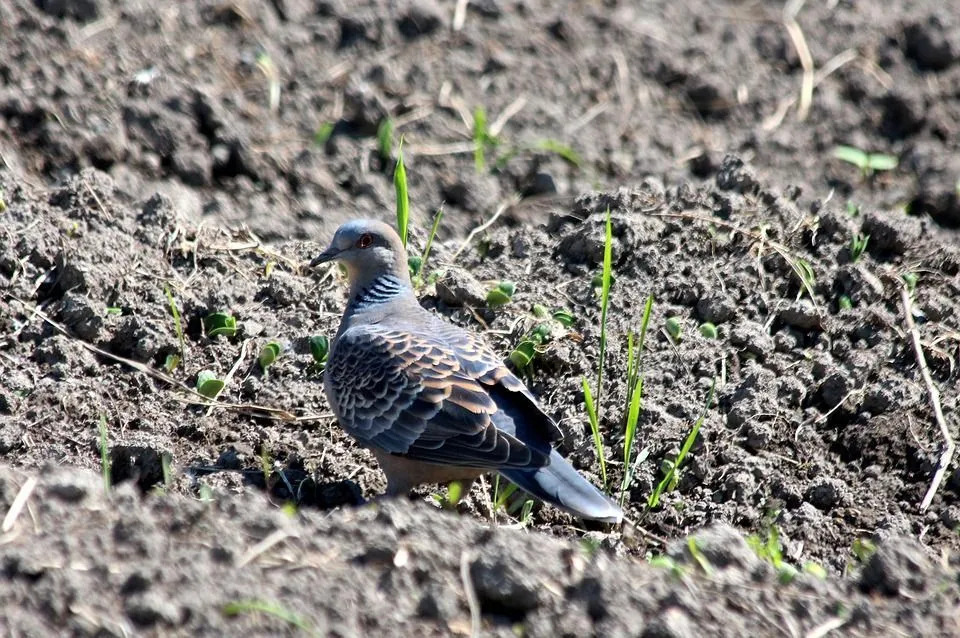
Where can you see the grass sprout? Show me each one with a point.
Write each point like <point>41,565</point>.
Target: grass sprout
<point>252,606</point>
<point>269,70</point>
<point>674,328</point>
<point>634,396</point>
<point>605,297</point>
<point>559,148</point>
<point>385,139</point>
<point>482,139</point>
<point>177,326</point>
<point>323,133</point>
<point>804,272</point>
<point>104,453</point>
<point>868,163</point>
<point>844,302</point>
<point>858,245</point>
<point>595,430</point>
<point>670,479</point>
<point>403,198</point>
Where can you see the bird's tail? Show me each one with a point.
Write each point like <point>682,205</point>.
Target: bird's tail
<point>562,486</point>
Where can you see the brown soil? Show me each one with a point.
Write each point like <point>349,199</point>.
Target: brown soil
<point>139,153</point>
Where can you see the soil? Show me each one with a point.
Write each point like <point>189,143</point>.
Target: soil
<point>194,155</point>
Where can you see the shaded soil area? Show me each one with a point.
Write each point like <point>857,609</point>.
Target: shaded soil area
<point>162,163</point>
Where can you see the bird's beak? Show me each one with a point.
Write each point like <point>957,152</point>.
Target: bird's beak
<point>328,255</point>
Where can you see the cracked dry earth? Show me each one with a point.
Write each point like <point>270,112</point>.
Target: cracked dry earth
<point>139,154</point>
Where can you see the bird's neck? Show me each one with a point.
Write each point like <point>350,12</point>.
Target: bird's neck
<point>375,298</point>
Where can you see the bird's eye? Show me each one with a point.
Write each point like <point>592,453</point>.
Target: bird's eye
<point>364,241</point>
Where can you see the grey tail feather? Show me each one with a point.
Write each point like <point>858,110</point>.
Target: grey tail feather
<point>562,486</point>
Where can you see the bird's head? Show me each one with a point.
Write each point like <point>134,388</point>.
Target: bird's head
<point>369,249</point>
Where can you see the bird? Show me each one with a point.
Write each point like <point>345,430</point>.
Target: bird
<point>430,399</point>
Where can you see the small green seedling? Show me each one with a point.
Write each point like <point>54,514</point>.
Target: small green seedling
<point>868,163</point>
<point>209,385</point>
<point>595,431</point>
<point>606,280</point>
<point>113,310</point>
<point>482,139</point>
<point>708,330</point>
<point>852,209</point>
<point>104,453</point>
<point>403,197</point>
<point>564,318</point>
<point>671,476</point>
<point>268,354</point>
<point>3,201</point>
<point>240,607</point>
<point>804,272</point>
<point>844,302</point>
<point>664,561</point>
<point>559,148</point>
<point>269,70</point>
<point>674,328</point>
<point>910,279</point>
<point>320,350</point>
<point>522,356</point>
<point>323,134</point>
<point>501,294</point>
<point>220,323</point>
<point>385,139</point>
<point>170,363</point>
<point>858,244</point>
<point>698,556</point>
<point>863,549</point>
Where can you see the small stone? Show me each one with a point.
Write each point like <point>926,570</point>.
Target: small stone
<point>825,493</point>
<point>670,623</point>
<point>458,288</point>
<point>899,566</point>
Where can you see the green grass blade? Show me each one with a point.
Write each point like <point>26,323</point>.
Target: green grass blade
<point>403,199</point>
<point>480,136</point>
<point>605,299</point>
<point>671,476</point>
<point>177,324</point>
<point>851,155</point>
<point>104,454</point>
<point>633,416</point>
<point>433,233</point>
<point>595,429</point>
<point>276,610</point>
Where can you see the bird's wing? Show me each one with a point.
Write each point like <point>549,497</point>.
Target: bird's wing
<point>427,399</point>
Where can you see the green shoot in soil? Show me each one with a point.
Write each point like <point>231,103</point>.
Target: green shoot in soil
<point>674,328</point>
<point>385,139</point>
<point>268,354</point>
<point>595,430</point>
<point>605,298</point>
<point>403,199</point>
<point>319,350</point>
<point>708,330</point>
<point>177,328</point>
<point>858,244</point>
<point>323,134</point>
<point>634,396</point>
<point>671,477</point>
<point>276,610</point>
<point>501,294</point>
<point>220,323</point>
<point>481,139</point>
<point>104,453</point>
<point>209,385</point>
<point>565,152</point>
<point>804,272</point>
<point>868,163</point>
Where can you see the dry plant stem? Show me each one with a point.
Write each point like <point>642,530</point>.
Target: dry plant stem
<point>803,52</point>
<point>485,225</point>
<point>19,502</point>
<point>949,445</point>
<point>472,601</point>
<point>274,413</point>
